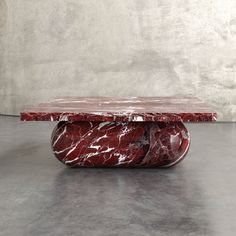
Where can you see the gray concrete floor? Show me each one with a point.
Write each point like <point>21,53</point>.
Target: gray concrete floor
<point>40,196</point>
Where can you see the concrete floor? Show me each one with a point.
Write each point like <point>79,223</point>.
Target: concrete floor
<point>40,196</point>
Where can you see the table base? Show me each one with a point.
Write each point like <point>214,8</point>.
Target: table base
<point>120,144</point>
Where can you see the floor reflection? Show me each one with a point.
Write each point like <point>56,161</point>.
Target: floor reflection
<point>164,200</point>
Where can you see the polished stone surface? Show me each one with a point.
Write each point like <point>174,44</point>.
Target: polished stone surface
<point>123,109</point>
<point>120,132</point>
<point>40,196</point>
<point>120,144</point>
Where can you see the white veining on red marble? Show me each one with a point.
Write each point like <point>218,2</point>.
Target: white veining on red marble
<point>118,144</point>
<point>132,109</point>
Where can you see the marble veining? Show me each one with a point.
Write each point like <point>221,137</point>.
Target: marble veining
<point>120,132</point>
<point>130,109</point>
<point>119,144</point>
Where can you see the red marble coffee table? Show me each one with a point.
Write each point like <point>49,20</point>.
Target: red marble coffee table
<point>121,132</point>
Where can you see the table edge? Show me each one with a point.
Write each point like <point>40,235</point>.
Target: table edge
<point>119,117</point>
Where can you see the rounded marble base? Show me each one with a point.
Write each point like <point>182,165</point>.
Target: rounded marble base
<point>120,144</point>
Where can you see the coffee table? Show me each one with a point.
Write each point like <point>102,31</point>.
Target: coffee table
<point>121,132</point>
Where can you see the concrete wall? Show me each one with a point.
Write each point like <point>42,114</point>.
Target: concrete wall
<point>51,48</point>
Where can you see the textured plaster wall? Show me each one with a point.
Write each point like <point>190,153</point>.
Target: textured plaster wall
<point>51,48</point>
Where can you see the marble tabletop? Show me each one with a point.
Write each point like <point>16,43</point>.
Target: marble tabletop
<point>122,109</point>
